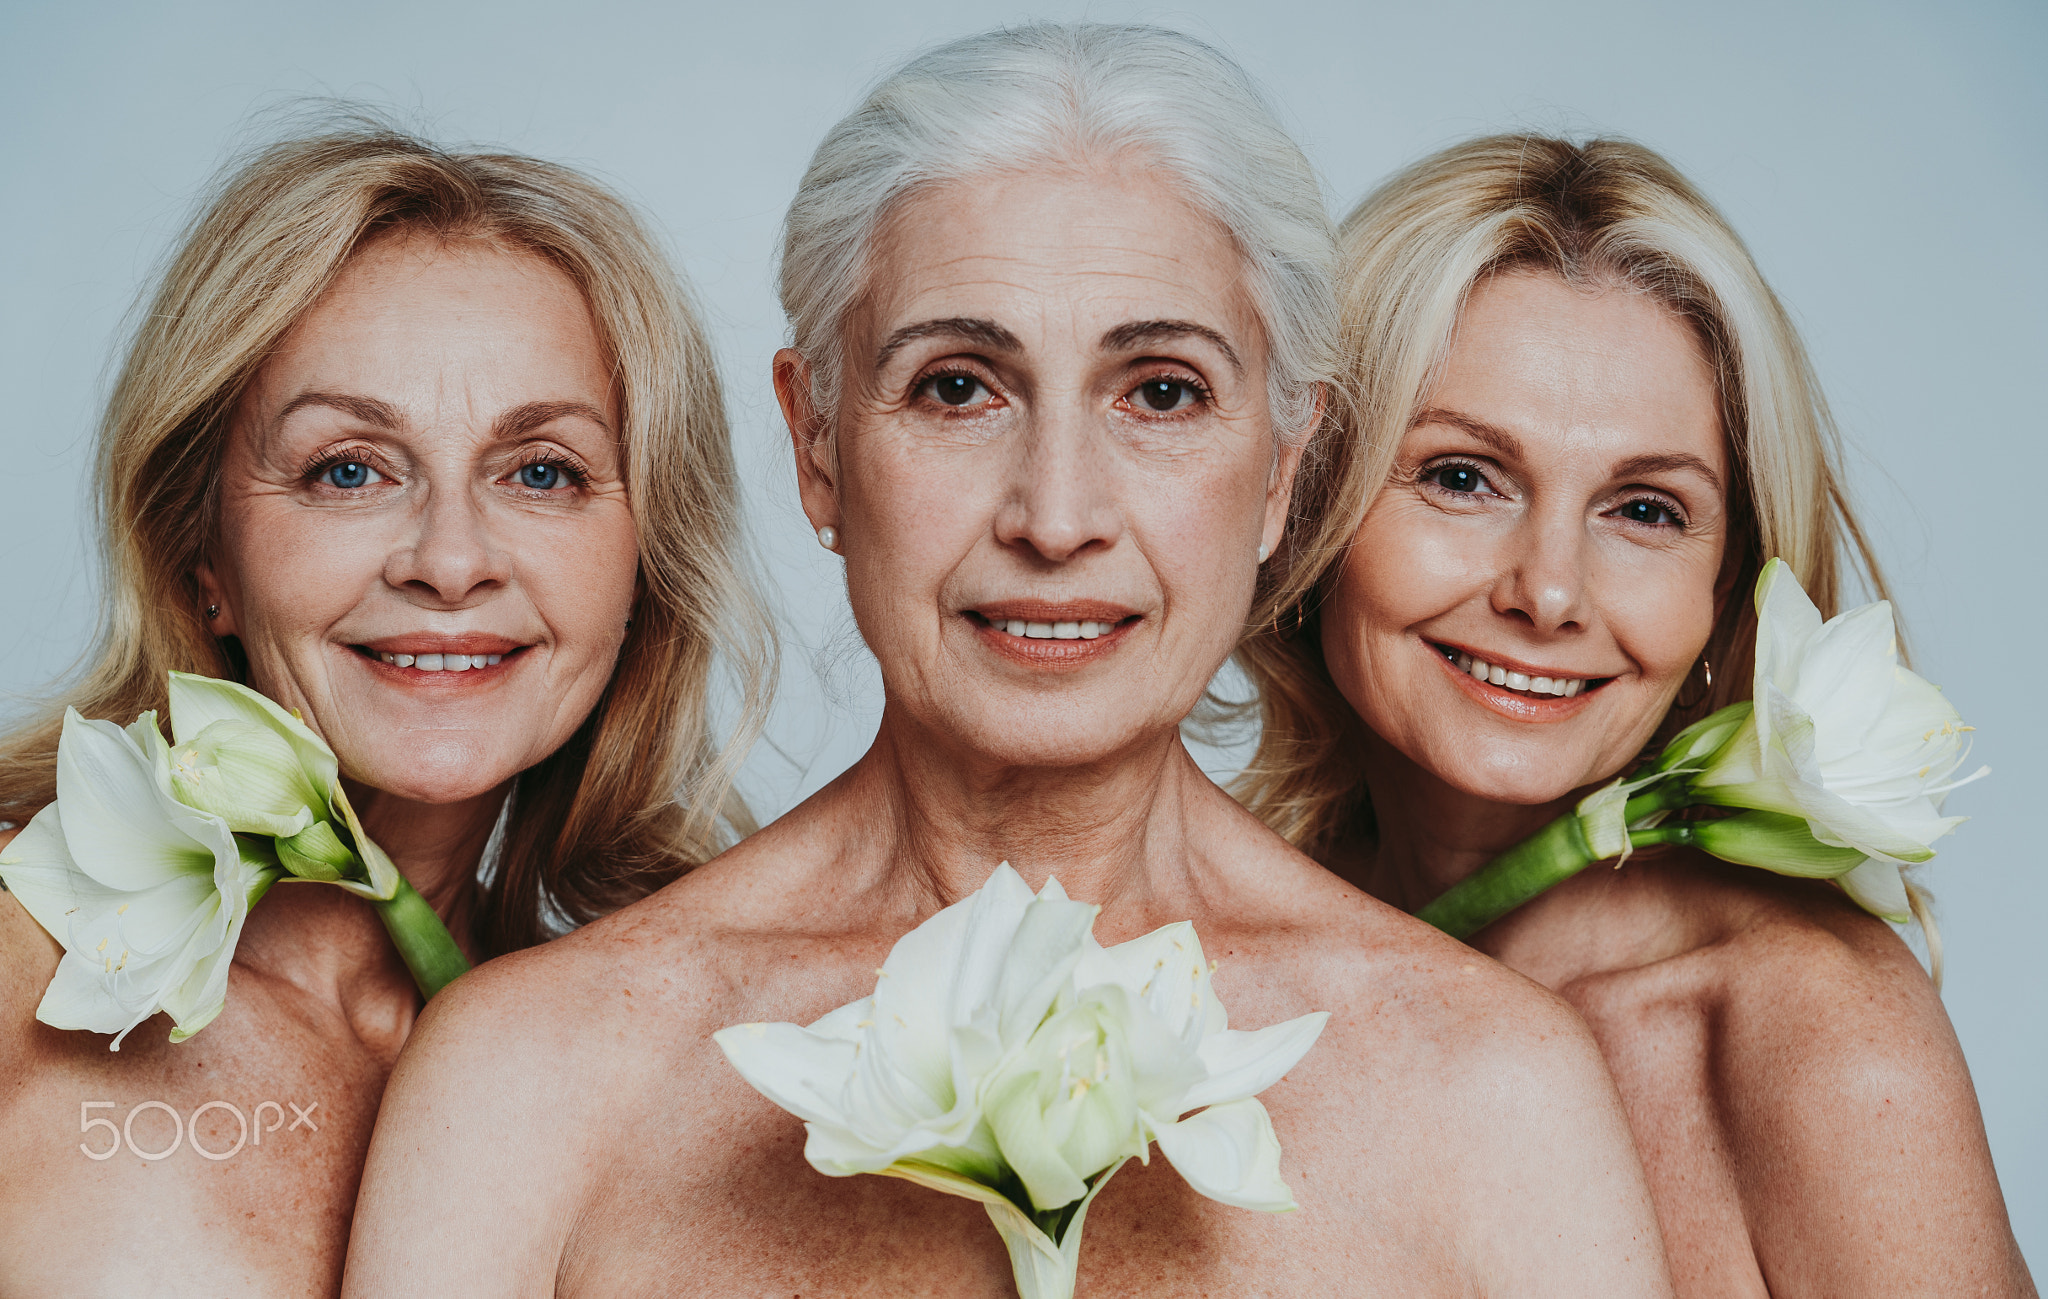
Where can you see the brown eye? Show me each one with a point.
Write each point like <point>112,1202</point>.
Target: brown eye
<point>1165,395</point>
<point>954,389</point>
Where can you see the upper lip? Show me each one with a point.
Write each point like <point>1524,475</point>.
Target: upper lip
<point>428,643</point>
<point>1053,611</point>
<point>1510,664</point>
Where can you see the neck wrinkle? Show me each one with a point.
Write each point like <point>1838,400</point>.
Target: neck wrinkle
<point>1110,830</point>
<point>1433,834</point>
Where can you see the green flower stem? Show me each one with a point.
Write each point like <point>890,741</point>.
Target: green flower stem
<point>422,940</point>
<point>1547,858</point>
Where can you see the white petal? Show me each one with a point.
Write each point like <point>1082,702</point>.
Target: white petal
<point>79,997</point>
<point>798,1070</point>
<point>1229,1153</point>
<point>114,822</point>
<point>1244,1064</point>
<point>1040,963</point>
<point>1879,889</point>
<point>197,702</point>
<point>40,873</point>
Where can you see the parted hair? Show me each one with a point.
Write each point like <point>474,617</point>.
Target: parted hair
<point>1604,214</point>
<point>641,791</point>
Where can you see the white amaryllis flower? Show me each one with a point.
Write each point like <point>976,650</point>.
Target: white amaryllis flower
<point>1009,1058</point>
<point>1843,738</point>
<point>147,895</point>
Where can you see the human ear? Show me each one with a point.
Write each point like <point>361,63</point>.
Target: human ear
<point>1280,483</point>
<point>816,466</point>
<point>215,608</point>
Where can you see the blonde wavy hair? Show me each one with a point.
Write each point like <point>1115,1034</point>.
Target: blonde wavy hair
<point>641,792</point>
<point>1602,214</point>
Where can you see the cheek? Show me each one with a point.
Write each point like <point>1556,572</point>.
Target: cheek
<point>580,574</point>
<point>295,570</point>
<point>1663,619</point>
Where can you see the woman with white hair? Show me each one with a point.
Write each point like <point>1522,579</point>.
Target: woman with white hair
<point>1063,330</point>
<point>1584,424</point>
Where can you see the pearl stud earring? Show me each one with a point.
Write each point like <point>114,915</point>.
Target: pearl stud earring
<point>1263,552</point>
<point>828,537</point>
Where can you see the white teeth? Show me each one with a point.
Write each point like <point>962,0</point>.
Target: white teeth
<point>1481,670</point>
<point>1053,630</point>
<point>441,662</point>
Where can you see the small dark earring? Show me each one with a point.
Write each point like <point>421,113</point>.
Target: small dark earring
<point>212,612</point>
<point>629,624</point>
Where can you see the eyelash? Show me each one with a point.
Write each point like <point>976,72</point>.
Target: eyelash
<point>1201,391</point>
<point>1427,475</point>
<point>317,468</point>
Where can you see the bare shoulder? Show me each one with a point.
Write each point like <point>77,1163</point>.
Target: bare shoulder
<point>1824,1063</point>
<point>1412,986</point>
<point>1444,1082</point>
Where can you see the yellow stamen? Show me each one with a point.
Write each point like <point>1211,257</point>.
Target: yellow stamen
<point>102,947</point>
<point>122,910</point>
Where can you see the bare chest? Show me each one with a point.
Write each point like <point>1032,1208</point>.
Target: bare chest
<point>226,1165</point>
<point>1658,1035</point>
<point>721,1202</point>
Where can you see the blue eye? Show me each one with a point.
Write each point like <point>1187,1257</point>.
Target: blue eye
<point>1457,478</point>
<point>1654,513</point>
<point>349,474</point>
<point>541,476</point>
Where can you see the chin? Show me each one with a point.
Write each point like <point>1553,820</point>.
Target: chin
<point>447,771</point>
<point>1521,779</point>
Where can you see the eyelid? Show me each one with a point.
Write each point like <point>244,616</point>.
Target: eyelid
<point>343,455</point>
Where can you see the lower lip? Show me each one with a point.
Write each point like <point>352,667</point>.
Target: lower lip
<point>1513,704</point>
<point>444,679</point>
<point>1050,652</point>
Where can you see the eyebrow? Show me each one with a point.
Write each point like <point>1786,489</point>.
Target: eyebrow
<point>514,423</point>
<point>1137,333</point>
<point>983,333</point>
<point>1492,434</point>
<point>1507,444</point>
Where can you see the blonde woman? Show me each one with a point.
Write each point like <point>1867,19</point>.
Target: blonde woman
<point>428,446</point>
<point>1061,316</point>
<point>1582,423</point>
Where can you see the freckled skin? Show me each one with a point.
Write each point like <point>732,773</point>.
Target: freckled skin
<point>563,1124</point>
<point>1794,1087</point>
<point>318,1004</point>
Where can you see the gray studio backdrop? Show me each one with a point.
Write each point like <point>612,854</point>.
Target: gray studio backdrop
<point>1888,164</point>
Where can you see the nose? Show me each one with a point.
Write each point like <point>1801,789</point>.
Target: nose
<point>1544,580</point>
<point>1061,497</point>
<point>450,557</point>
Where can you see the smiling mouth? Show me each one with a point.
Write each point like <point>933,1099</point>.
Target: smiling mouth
<point>1083,629</point>
<point>1521,683</point>
<point>443,661</point>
